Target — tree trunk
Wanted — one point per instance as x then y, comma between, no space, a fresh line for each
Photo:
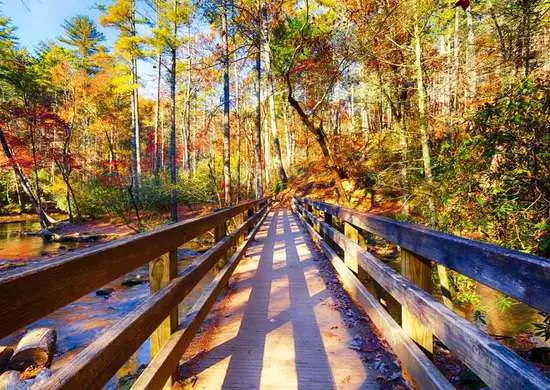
226,97
426,157
271,103
156,152
288,140
135,141
188,159
267,149
173,167
470,59
45,220
319,134
456,66
424,137
238,124
258,140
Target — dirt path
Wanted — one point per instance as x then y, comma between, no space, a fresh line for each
286,323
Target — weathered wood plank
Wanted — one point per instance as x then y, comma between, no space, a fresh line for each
161,271
69,277
419,272
97,363
413,360
519,275
168,358
496,365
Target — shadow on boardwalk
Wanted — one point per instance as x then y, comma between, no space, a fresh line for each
286,323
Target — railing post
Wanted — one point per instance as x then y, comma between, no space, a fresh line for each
161,271
316,213
249,213
350,259
327,217
418,271
220,232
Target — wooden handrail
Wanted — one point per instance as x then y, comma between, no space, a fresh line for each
495,364
98,362
417,364
32,294
521,276
162,365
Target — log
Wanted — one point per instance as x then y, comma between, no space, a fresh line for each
35,349
10,380
5,355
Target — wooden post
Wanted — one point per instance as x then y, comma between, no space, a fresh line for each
350,259
418,271
220,232
249,214
445,285
316,213
161,271
327,217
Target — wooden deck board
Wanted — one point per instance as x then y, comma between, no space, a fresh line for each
278,327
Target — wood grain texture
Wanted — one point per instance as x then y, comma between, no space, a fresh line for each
69,277
168,357
161,271
519,275
97,363
496,365
419,272
413,360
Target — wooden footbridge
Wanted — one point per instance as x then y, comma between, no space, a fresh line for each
277,326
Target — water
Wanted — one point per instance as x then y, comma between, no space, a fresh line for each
16,248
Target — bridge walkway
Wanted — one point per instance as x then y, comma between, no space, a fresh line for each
284,323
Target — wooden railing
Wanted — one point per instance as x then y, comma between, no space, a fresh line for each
32,294
521,276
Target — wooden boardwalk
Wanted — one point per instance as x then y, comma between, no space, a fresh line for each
280,325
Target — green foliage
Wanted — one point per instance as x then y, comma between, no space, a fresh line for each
495,183
480,317
504,303
97,199
278,186
466,289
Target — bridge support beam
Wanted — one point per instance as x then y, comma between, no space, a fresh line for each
161,271
418,271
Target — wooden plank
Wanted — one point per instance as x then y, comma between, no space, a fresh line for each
496,365
522,276
98,362
352,234
413,360
161,271
168,358
69,277
419,272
